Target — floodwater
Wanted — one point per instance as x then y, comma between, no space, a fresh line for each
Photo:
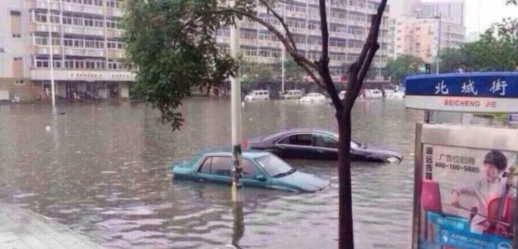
103,170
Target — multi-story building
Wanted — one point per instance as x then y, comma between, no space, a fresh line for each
402,8
82,38
451,11
349,23
418,35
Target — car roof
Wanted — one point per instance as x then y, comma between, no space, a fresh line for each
247,153
300,130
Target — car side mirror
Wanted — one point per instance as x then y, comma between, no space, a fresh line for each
260,178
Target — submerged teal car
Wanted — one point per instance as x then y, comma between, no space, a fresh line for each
260,170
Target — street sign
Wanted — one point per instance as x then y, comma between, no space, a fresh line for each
465,187
463,92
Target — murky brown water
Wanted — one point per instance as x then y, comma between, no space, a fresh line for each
103,170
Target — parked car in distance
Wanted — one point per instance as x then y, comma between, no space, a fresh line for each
260,170
393,94
342,94
313,97
258,95
292,94
373,94
319,145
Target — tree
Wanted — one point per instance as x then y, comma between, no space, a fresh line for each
401,67
253,72
292,71
515,2
173,44
496,50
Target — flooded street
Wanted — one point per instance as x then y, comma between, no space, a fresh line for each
103,169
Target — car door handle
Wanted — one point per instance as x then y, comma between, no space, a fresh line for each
320,151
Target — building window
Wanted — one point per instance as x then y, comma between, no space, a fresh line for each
16,24
40,16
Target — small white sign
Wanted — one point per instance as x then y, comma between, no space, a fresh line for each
462,104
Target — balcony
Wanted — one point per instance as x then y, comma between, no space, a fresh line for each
84,52
43,27
114,33
337,35
116,54
355,8
82,75
45,50
42,4
246,42
296,14
87,9
80,30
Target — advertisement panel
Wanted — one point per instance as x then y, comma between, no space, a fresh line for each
465,188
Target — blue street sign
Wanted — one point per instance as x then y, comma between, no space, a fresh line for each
493,92
488,85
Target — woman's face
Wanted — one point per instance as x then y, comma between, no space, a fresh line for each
491,171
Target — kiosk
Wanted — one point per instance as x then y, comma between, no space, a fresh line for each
465,177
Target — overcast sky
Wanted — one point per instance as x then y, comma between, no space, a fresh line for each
491,11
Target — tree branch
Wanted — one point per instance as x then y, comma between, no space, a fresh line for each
323,64
281,20
359,69
301,60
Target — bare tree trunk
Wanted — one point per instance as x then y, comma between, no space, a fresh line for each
345,210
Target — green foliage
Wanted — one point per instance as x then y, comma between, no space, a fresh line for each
172,43
252,72
401,67
497,50
292,71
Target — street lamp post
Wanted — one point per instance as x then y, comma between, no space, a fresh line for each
51,56
237,187
439,18
439,43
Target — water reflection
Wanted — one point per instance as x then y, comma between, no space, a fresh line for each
103,169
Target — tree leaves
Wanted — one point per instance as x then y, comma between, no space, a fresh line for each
173,45
497,50
401,67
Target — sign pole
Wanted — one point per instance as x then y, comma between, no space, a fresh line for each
237,188
51,56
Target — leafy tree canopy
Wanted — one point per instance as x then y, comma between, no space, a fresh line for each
402,66
496,50
173,45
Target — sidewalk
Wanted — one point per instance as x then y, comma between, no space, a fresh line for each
23,229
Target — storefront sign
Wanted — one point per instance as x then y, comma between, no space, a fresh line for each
465,191
74,75
466,92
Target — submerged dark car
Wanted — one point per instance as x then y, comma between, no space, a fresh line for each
319,145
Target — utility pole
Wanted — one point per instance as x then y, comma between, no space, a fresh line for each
237,188
51,56
439,43
283,69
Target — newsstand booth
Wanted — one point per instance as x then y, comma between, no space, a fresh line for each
465,178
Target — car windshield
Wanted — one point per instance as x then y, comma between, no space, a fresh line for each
274,166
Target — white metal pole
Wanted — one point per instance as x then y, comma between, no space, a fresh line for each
283,70
51,56
237,188
439,44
